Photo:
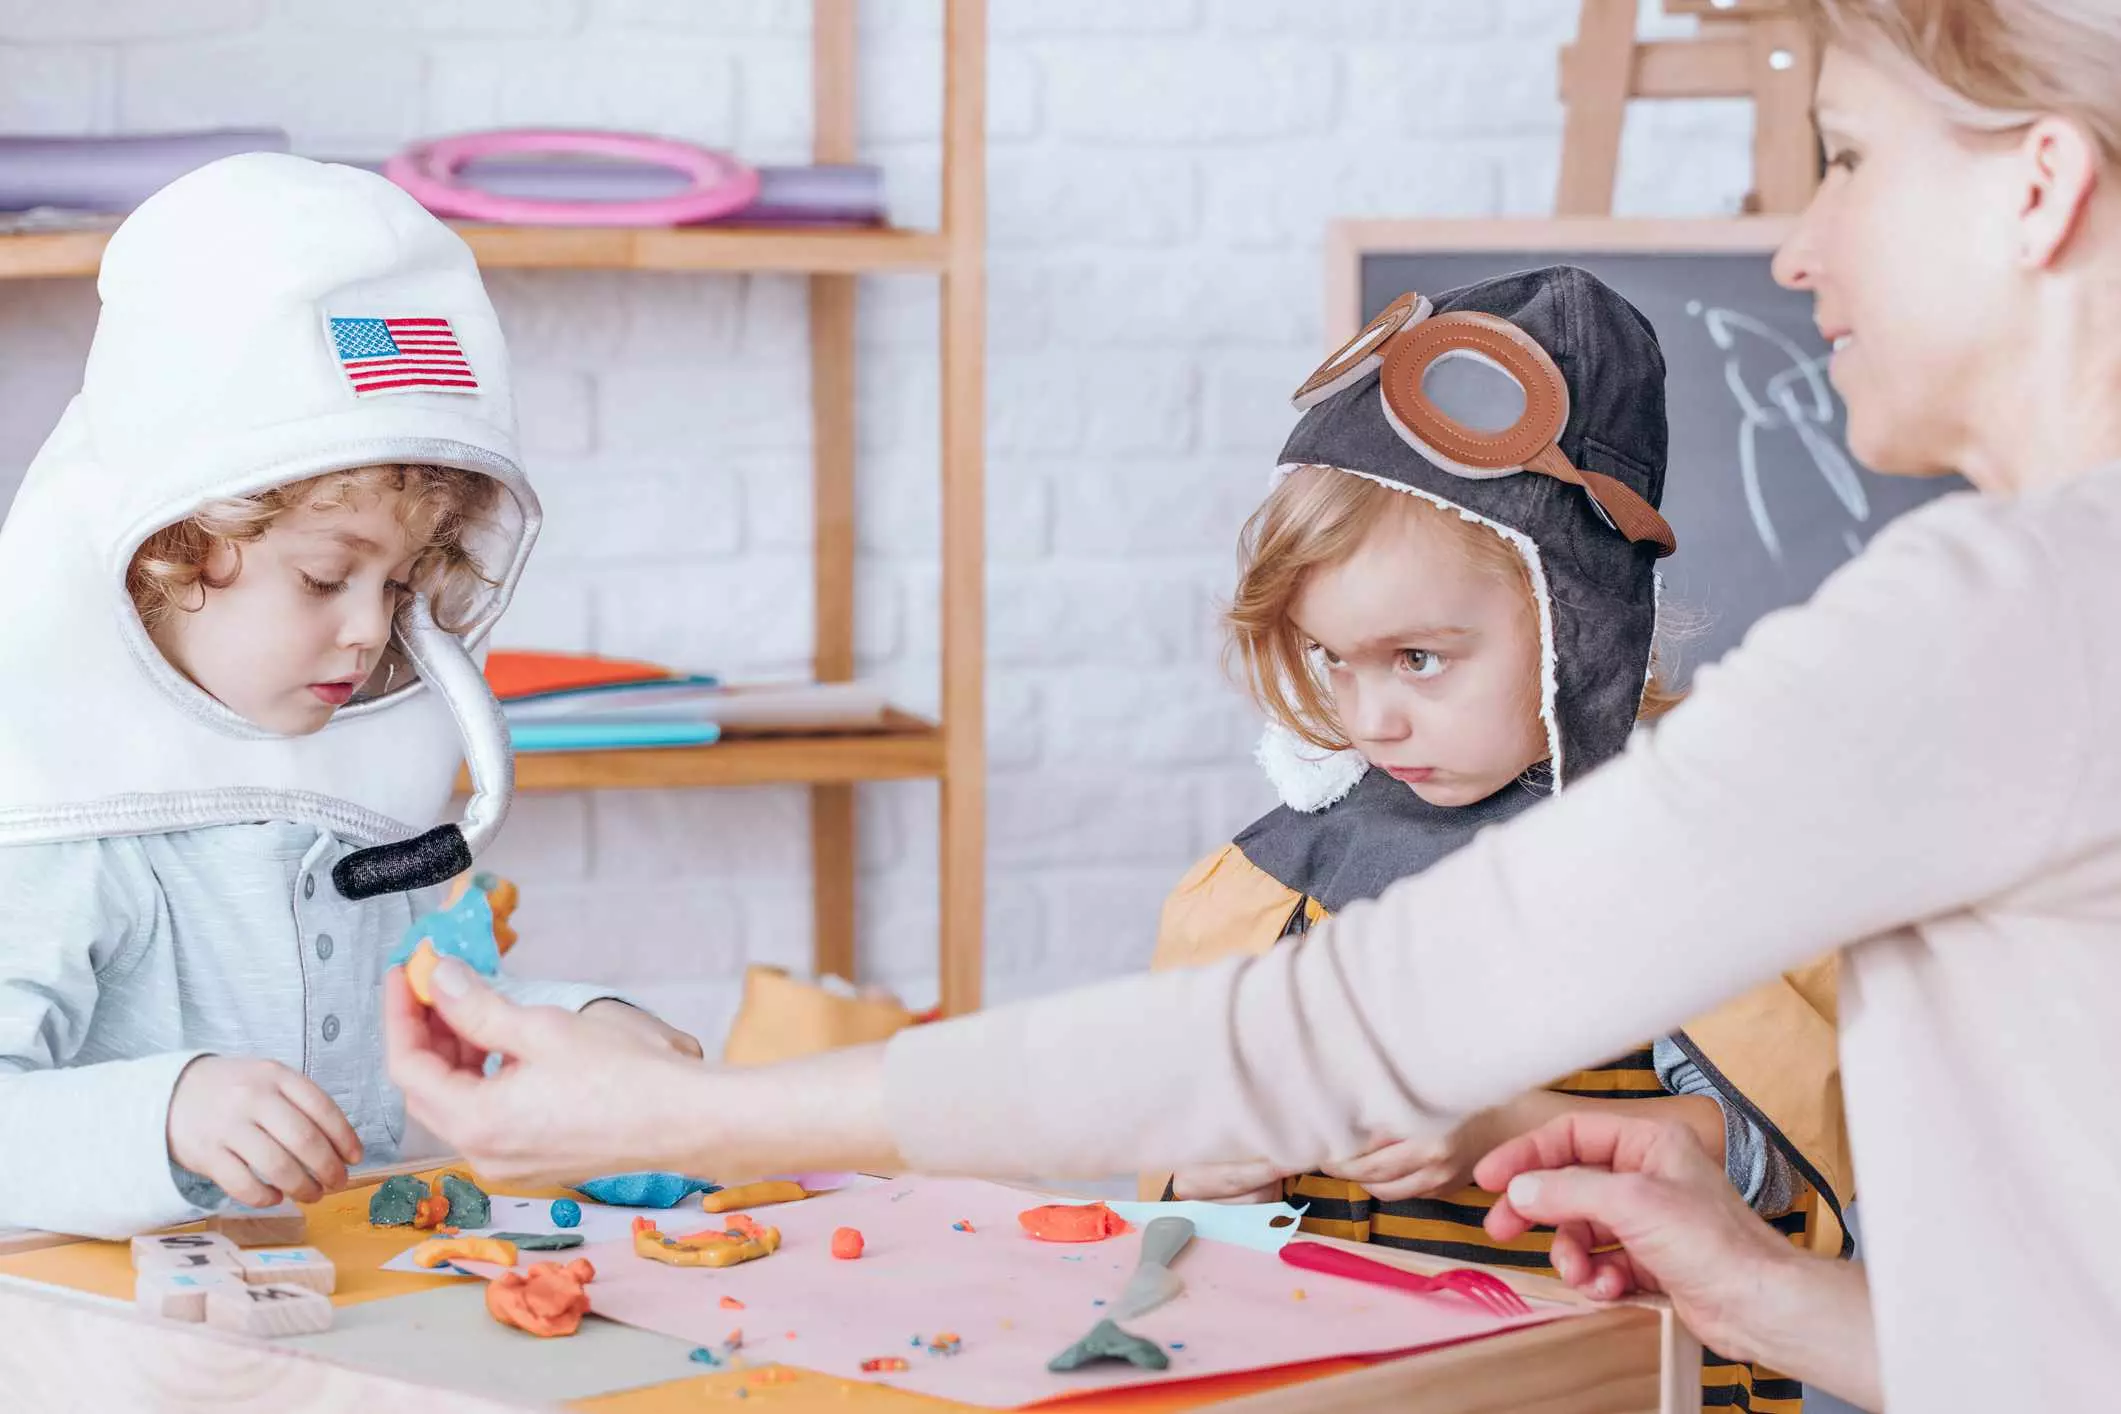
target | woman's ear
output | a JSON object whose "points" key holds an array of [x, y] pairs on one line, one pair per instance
{"points": [[2060, 170]]}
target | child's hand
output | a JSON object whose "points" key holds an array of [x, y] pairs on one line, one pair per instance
{"points": [[641, 1025], [1250, 1181], [1422, 1168], [261, 1131], [1426, 1168]]}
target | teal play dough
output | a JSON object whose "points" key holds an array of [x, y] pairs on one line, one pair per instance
{"points": [[393, 1204], [541, 1241], [1107, 1341], [566, 1213], [644, 1190], [468, 1206], [397, 1202], [464, 932]]}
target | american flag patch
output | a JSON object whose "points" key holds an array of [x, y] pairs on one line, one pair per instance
{"points": [[401, 356]]}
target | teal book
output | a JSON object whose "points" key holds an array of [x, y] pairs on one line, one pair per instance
{"points": [[609, 736]]}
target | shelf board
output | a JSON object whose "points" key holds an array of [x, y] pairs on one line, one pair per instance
{"points": [[910, 748], [800, 249], [807, 250]]}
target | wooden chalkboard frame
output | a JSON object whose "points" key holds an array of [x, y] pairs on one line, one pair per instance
{"points": [[1349, 243]]}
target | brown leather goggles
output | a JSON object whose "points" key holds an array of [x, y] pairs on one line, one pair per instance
{"points": [[1409, 339]]}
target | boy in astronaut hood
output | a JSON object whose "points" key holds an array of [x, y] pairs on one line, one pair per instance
{"points": [[246, 575]]}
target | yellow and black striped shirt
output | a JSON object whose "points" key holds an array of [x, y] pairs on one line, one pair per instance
{"points": [[1451, 1227]]}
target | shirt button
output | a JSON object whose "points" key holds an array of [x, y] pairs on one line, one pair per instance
{"points": [[331, 1029], [324, 947], [309, 886]]}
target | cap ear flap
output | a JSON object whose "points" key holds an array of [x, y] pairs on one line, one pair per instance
{"points": [[1362, 355]]}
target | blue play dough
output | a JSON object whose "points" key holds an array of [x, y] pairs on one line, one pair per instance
{"points": [[644, 1190], [566, 1213], [464, 932]]}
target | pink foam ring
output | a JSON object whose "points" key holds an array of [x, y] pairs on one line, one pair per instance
{"points": [[720, 183]]}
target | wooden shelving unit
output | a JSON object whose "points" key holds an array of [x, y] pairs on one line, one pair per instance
{"points": [[951, 752], [909, 749], [743, 249]]}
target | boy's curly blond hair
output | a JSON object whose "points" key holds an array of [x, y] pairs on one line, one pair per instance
{"points": [[439, 507]]}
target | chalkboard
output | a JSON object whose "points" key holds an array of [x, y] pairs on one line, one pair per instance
{"points": [[1760, 489]]}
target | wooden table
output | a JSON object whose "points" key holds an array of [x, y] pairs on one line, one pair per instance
{"points": [[74, 1341]]}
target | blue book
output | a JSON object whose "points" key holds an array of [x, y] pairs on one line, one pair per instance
{"points": [[609, 736]]}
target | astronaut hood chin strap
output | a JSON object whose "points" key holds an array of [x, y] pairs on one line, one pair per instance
{"points": [[445, 851]]}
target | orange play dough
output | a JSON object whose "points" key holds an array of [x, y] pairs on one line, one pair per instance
{"points": [[1072, 1222], [547, 1300], [437, 1250], [846, 1243], [420, 971]]}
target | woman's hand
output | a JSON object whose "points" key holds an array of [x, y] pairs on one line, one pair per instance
{"points": [[1247, 1181], [578, 1094], [646, 1026], [1601, 1178]]}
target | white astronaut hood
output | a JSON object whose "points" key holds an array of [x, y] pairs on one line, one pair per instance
{"points": [[265, 319]]}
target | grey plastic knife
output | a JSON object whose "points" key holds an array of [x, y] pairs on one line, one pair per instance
{"points": [[1153, 1282]]}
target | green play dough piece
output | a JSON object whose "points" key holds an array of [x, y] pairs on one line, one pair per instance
{"points": [[1107, 1341], [540, 1241], [394, 1204], [468, 1207]]}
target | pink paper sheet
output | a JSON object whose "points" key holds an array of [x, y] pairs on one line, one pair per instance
{"points": [[1014, 1302]]}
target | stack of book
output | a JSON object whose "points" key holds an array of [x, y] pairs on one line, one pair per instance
{"points": [[579, 702]]}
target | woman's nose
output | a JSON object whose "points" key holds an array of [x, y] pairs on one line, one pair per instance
{"points": [[1796, 262]]}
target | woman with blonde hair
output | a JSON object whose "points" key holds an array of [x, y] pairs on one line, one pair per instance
{"points": [[1915, 768]]}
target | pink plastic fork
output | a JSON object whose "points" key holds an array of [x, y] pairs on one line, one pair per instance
{"points": [[1489, 1292]]}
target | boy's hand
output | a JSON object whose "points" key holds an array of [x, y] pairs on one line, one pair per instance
{"points": [[1249, 1181], [261, 1131], [640, 1024]]}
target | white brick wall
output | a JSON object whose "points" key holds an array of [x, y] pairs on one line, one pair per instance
{"points": [[1160, 174]]}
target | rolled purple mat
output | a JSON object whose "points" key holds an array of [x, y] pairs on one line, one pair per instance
{"points": [[114, 174], [850, 192], [835, 194]]}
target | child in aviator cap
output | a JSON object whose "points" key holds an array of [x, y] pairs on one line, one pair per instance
{"points": [[1446, 609], [250, 566]]}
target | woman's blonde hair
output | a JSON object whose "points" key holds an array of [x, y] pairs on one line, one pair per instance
{"points": [[439, 507], [1995, 65], [1315, 518]]}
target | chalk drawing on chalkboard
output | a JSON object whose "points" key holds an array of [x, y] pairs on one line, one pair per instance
{"points": [[1795, 398]]}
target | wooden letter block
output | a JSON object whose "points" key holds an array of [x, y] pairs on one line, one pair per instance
{"points": [[182, 1251], [280, 1226], [294, 1266], [267, 1310], [180, 1295]]}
